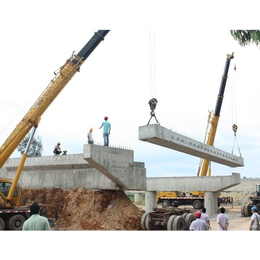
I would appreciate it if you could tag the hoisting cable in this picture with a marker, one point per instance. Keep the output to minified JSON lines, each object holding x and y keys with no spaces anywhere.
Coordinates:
{"x":152,"y":65}
{"x":152,"y":77}
{"x":233,"y":104}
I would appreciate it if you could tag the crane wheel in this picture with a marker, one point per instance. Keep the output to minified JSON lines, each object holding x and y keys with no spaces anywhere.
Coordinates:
{"x":165,"y":203}
{"x":15,"y":222}
{"x":2,"y":224}
{"x":197,"y":204}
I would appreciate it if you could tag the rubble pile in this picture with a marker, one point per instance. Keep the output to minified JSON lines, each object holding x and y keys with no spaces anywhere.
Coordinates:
{"x":82,"y":209}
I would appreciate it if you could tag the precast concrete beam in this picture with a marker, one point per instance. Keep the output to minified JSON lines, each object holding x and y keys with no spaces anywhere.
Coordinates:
{"x":118,"y":165}
{"x":159,"y":135}
{"x":59,"y":162}
{"x":72,"y":171}
{"x":207,"y":183}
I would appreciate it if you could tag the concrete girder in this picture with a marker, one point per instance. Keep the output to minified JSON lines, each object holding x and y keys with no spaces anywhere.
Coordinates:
{"x":109,"y":168}
{"x":159,"y":135}
{"x":210,"y":185}
{"x":206,"y":183}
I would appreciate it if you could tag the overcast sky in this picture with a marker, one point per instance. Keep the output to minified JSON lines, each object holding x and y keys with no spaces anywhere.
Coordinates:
{"x":191,"y":42}
{"x":115,"y":81}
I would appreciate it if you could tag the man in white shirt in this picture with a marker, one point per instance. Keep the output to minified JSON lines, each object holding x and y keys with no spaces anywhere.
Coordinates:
{"x":205,"y":217}
{"x":255,"y":218}
{"x":222,"y":220}
{"x":198,"y":224}
{"x":90,"y":137}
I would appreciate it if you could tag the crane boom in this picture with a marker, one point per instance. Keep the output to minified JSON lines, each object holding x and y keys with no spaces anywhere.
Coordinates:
{"x":215,"y":119}
{"x":32,"y":118}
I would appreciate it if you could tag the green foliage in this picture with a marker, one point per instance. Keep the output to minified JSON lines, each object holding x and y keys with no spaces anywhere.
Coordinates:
{"x":245,"y":37}
{"x":35,"y":149}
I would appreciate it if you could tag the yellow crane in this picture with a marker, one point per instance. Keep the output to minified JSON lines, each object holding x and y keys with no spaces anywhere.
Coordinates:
{"x":13,"y":196}
{"x":216,"y":115}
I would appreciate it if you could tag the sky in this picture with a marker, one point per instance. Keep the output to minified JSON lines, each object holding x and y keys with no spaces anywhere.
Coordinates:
{"x":117,"y":81}
{"x":191,"y":40}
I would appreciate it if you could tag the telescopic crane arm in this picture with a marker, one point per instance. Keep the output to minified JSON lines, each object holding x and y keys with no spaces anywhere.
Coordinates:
{"x":33,"y":116}
{"x":215,"y":119}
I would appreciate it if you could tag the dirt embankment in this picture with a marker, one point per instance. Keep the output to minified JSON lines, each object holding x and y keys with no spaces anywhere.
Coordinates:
{"x":82,"y":209}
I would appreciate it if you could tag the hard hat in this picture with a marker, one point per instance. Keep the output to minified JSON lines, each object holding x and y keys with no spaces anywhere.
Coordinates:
{"x":105,"y":117}
{"x":58,"y":143}
{"x":197,"y":214}
{"x":65,"y":150}
{"x":91,"y":129}
{"x":254,"y":208}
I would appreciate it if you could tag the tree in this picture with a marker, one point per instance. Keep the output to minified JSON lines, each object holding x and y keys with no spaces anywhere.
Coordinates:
{"x":245,"y":37}
{"x":35,"y":149}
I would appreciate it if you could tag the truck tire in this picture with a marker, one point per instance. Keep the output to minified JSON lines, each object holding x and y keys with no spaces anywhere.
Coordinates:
{"x":197,"y":204}
{"x":176,"y":223}
{"x":143,"y":220}
{"x":184,"y":216}
{"x":2,"y":224}
{"x":148,"y":224}
{"x":247,"y":209}
{"x":188,"y":219}
{"x":15,"y":222}
{"x":165,"y":203}
{"x":243,"y":209}
{"x":179,"y":223}
{"x":170,"y":222}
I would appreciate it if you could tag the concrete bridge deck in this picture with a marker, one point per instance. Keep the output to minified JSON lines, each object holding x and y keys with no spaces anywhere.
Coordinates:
{"x":102,"y":167}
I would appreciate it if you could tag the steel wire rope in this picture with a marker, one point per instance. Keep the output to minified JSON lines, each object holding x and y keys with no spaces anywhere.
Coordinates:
{"x":152,"y":65}
{"x":234,"y":111}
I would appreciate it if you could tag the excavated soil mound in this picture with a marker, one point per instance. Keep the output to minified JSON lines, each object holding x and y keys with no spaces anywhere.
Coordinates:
{"x":82,"y":209}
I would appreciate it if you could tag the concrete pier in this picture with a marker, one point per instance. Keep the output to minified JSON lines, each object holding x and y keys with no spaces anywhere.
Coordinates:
{"x":161,"y":136}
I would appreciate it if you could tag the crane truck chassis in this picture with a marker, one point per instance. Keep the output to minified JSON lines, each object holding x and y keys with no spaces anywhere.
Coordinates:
{"x":196,"y":201}
{"x":12,"y":212}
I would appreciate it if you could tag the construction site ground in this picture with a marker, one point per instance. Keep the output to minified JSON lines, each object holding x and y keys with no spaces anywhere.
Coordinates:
{"x":83,"y":209}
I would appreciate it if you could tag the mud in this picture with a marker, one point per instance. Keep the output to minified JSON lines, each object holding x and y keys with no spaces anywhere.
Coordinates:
{"x":82,"y":209}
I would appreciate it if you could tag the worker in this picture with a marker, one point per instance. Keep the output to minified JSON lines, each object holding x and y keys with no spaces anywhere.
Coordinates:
{"x":222,"y":220}
{"x":57,"y":149}
{"x":205,"y":217}
{"x":65,"y":152}
{"x":90,"y":137}
{"x":106,"y":130}
{"x":36,"y":222}
{"x":198,"y":224}
{"x":255,"y":218}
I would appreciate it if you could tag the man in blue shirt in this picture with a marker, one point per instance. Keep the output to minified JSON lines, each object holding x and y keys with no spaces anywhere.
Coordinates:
{"x":106,"y":130}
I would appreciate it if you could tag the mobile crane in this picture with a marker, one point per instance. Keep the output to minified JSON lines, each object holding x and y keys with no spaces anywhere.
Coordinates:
{"x":196,"y":198}
{"x":170,"y":218}
{"x":12,"y":215}
{"x":215,"y":119}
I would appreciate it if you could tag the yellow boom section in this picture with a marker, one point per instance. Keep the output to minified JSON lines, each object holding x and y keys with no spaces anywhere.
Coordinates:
{"x":32,"y":118}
